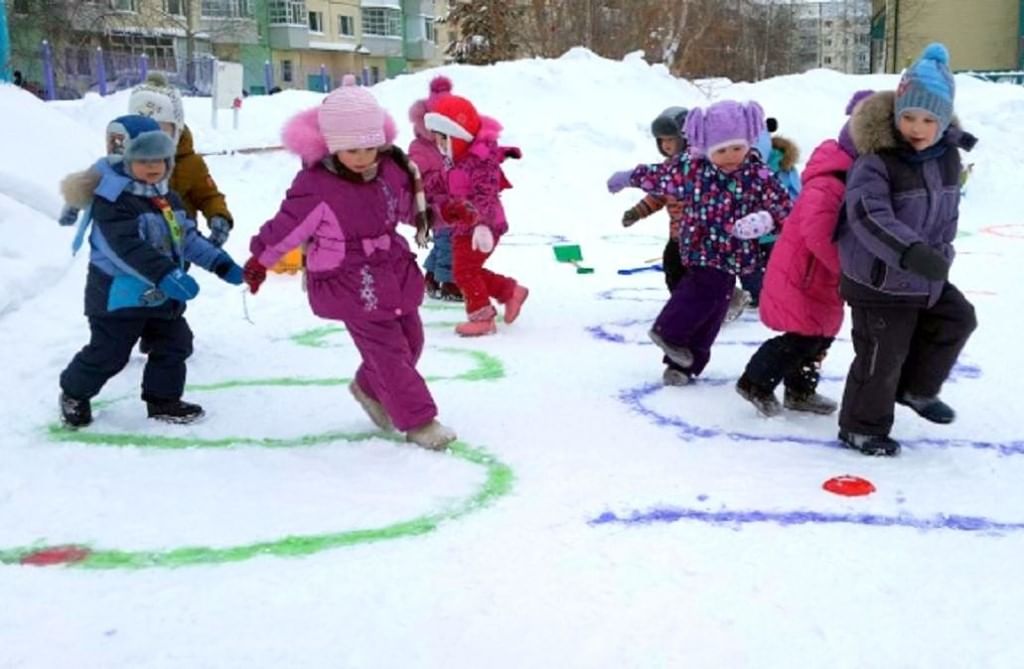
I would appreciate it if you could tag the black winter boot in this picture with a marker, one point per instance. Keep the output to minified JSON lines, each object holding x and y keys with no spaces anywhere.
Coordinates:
{"x":75,"y":413}
{"x":174,"y":411}
{"x":870,"y":444}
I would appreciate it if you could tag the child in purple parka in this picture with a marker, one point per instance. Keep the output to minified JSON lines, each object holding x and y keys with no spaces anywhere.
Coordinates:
{"x":729,"y":198}
{"x":895,"y":249}
{"x":345,"y":205}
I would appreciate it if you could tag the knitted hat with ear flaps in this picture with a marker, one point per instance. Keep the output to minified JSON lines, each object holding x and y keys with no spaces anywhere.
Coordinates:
{"x":157,"y":99}
{"x":350,"y":118}
{"x":124,"y":128}
{"x":724,"y":123}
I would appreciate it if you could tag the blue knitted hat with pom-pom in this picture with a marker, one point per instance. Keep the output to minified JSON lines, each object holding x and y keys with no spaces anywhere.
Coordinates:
{"x":928,"y":86}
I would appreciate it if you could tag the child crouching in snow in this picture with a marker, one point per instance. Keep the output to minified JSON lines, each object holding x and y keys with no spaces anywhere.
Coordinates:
{"x":800,"y":296}
{"x":433,"y":167}
{"x":730,"y":199}
{"x":474,"y":211}
{"x":345,"y":205}
{"x":895,"y":250}
{"x":141,"y":242}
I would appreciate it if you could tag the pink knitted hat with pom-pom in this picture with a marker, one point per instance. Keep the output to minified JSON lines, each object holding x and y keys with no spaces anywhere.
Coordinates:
{"x":351,"y":118}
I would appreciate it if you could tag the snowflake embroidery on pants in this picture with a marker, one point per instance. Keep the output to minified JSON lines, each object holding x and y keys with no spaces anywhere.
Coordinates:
{"x":368,"y":292}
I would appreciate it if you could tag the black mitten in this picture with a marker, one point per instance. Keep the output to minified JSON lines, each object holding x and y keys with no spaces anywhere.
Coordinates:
{"x":925,"y":261}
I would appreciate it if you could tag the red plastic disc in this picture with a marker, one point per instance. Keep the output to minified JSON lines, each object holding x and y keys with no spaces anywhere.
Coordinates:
{"x":56,"y":555}
{"x":849,"y":486}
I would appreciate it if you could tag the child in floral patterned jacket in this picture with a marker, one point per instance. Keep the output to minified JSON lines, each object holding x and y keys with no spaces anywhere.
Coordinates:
{"x":730,"y":199}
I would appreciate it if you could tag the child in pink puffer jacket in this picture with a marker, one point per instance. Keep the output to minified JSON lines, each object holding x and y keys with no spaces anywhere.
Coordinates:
{"x":800,"y":297}
{"x":344,"y":206}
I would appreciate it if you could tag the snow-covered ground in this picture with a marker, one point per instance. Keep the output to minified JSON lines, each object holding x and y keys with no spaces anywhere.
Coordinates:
{"x":588,"y":517}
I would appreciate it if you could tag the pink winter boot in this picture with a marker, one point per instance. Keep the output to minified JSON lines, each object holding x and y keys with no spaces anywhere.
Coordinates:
{"x":515,"y":303}
{"x":481,"y":322}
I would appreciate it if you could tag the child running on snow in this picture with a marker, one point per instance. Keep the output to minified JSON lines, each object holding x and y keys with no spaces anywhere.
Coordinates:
{"x":141,"y":242}
{"x":345,"y":205}
{"x":801,"y":287}
{"x":670,"y":139}
{"x":431,"y":162}
{"x":730,"y":199}
{"x":474,"y":211}
{"x":895,"y":249}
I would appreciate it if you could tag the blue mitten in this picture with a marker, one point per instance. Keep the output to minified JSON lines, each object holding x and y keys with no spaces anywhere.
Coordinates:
{"x":619,"y":180}
{"x":228,"y":269}
{"x":220,"y":229}
{"x":177,"y":285}
{"x":68,"y":215}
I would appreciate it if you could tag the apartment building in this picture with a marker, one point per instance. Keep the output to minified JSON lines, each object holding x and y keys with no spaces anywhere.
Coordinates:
{"x":981,"y":34}
{"x":833,"y":35}
{"x":315,"y":42}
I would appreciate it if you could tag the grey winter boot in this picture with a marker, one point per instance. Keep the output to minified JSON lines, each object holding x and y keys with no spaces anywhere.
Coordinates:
{"x":810,"y":403}
{"x":433,"y":436}
{"x":763,"y":400}
{"x":737,"y":303}
{"x":675,"y":377}
{"x":678,"y":354}
{"x":374,"y":409}
{"x":870,"y":444}
{"x":929,"y":408}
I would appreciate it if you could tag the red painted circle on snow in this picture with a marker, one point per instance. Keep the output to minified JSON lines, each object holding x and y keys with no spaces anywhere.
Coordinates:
{"x":56,"y":555}
{"x":849,"y":486}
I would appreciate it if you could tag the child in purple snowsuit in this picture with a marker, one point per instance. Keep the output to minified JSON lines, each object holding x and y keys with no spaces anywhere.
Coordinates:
{"x":730,"y":198}
{"x":344,"y":206}
{"x":895,"y":249}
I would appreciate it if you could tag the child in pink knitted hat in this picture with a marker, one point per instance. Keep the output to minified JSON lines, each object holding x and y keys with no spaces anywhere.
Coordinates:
{"x":344,"y":207}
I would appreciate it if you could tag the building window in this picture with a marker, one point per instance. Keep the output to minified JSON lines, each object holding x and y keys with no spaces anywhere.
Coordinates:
{"x":382,"y":22}
{"x":347,"y":26}
{"x":175,"y":7}
{"x":225,"y":9}
{"x":160,"y":50}
{"x":828,"y":60}
{"x":374,"y":74}
{"x":287,"y":12}
{"x":123,"y":5}
{"x":316,"y":22}
{"x":286,"y":70}
{"x":429,"y":29}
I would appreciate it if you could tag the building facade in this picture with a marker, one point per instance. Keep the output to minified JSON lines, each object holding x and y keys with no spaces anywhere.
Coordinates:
{"x":982,"y":35}
{"x":833,"y":35}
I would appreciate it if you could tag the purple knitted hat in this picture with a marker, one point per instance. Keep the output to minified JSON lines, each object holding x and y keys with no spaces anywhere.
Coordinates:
{"x":723,"y":123}
{"x":845,"y":140}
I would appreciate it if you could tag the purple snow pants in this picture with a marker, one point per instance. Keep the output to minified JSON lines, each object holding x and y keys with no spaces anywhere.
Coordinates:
{"x":388,"y":374}
{"x":694,"y":313}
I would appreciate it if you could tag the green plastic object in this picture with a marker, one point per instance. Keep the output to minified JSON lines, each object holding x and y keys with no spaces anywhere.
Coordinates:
{"x":572,"y":254}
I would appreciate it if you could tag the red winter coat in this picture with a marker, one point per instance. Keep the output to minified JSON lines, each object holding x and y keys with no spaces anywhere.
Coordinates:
{"x":801,"y":286}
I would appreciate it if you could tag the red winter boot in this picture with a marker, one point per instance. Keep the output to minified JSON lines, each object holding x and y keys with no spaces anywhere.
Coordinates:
{"x":481,"y":322}
{"x":515,"y":303}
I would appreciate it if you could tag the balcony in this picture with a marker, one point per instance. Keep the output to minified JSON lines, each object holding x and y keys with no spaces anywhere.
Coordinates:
{"x":289,"y":24}
{"x":420,"y":50}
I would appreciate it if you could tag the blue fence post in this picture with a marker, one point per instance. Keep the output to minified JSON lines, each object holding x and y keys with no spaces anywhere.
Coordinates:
{"x":5,"y":44}
{"x":51,"y":87}
{"x":323,"y":77}
{"x":101,"y":71}
{"x":366,"y":76}
{"x":143,"y":67}
{"x":268,"y":76}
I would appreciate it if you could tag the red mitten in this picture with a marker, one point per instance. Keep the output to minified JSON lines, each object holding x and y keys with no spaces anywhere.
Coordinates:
{"x":254,"y":274}
{"x":459,"y":213}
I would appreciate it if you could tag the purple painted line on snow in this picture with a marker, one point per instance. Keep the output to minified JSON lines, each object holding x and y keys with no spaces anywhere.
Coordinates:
{"x":789,"y":518}
{"x":532,"y":239}
{"x":634,"y":399}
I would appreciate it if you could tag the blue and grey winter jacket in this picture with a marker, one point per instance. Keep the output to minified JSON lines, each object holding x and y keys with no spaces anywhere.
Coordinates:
{"x":896,"y":197}
{"x":132,"y":246}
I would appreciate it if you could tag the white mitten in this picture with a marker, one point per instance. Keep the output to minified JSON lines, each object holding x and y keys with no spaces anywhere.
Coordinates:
{"x":483,"y":239}
{"x":753,"y":225}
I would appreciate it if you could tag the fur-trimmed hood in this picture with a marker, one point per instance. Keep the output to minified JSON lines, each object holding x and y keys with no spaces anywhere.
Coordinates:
{"x":78,"y":187}
{"x":873,"y":127}
{"x":790,"y":152}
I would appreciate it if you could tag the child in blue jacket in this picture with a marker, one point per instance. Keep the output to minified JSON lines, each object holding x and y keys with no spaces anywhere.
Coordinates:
{"x":141,"y":242}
